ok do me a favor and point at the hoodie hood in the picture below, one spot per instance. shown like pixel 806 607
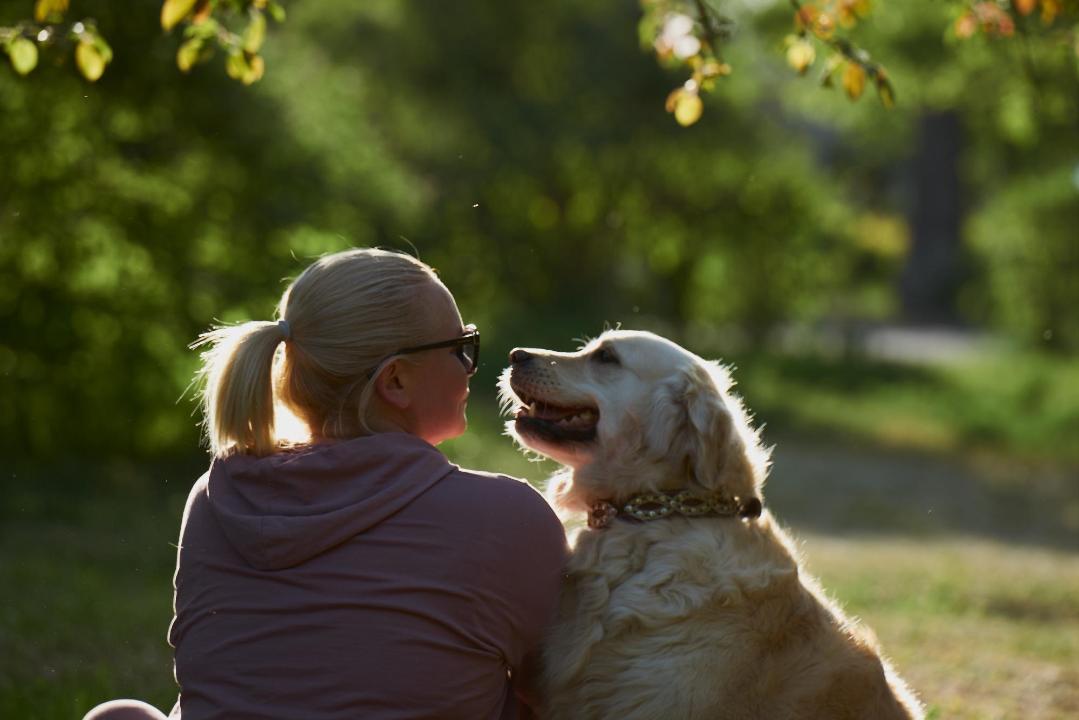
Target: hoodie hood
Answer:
pixel 281 510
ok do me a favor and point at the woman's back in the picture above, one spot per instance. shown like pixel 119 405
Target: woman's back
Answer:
pixel 368 578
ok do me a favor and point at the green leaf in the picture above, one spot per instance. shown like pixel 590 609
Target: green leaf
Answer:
pixel 173 11
pixel 204 30
pixel 236 65
pixel 255 33
pixel 885 91
pixel 103 48
pixel 91 63
pixel 834 63
pixel 188 54
pixel 23 54
pixel 256 66
pixel 50 10
pixel 277 12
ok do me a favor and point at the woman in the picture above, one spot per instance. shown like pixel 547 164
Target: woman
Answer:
pixel 361 574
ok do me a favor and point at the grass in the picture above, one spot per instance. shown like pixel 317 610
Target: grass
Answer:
pixel 983 627
pixel 1016 405
pixel 982 630
pixel 88 604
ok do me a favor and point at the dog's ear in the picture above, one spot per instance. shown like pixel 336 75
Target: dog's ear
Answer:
pixel 723 451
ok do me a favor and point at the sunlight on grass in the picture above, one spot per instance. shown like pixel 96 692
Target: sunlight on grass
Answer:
pixel 1015 404
pixel 981 630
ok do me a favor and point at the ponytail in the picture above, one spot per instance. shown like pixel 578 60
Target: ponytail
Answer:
pixel 237 387
pixel 345 314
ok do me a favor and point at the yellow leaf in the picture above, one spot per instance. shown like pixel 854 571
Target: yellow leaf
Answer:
pixel 672 99
pixel 688 108
pixel 255 68
pixel 188 54
pixel 1050 10
pixel 91 63
pixel 203 11
pixel 23 54
pixel 173 11
pixel 800 55
pixel 1025 7
pixel 885 90
pixel 848 11
pixel 47 10
pixel 824 26
pixel 255 33
pixel 236 66
pixel 854 80
pixel 806 17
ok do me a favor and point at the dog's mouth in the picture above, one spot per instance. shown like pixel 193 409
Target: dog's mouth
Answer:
pixel 555 423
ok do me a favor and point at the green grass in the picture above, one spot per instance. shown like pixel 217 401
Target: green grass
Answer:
pixel 87 605
pixel 980 629
pixel 1016 405
pixel 983 629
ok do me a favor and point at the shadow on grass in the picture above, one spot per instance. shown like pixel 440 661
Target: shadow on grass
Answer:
pixel 840 488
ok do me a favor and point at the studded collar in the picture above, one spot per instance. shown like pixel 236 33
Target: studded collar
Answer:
pixel 655 505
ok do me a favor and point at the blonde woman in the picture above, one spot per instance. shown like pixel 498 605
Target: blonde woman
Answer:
pixel 361 574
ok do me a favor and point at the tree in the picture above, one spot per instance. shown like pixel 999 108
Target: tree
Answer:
pixel 687 33
pixel 523 149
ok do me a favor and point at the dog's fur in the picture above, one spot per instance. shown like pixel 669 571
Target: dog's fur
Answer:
pixel 682 618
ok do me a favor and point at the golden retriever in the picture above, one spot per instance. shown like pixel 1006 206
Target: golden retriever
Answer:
pixel 683 598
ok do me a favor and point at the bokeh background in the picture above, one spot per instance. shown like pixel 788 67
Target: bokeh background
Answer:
pixel 897 291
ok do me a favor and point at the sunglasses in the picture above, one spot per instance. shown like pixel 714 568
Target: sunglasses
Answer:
pixel 466 348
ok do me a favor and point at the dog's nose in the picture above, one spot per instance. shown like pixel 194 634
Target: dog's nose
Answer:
pixel 519 356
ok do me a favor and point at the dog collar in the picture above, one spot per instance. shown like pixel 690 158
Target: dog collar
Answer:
pixel 656 505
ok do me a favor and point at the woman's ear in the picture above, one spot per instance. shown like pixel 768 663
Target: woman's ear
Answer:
pixel 391 386
pixel 723 452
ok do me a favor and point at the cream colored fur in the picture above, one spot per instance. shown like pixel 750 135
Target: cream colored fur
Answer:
pixel 685 618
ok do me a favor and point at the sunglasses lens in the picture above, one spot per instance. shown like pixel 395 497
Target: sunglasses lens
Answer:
pixel 469 354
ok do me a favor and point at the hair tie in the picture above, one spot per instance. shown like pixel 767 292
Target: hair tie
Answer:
pixel 286 331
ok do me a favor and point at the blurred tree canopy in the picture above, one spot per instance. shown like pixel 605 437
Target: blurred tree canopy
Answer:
pixel 524 150
pixel 682 32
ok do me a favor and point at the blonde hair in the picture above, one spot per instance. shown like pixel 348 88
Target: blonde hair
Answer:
pixel 342 317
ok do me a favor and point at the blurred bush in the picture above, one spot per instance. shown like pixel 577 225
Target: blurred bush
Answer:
pixel 524 151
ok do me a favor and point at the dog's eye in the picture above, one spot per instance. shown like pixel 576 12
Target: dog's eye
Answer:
pixel 603 355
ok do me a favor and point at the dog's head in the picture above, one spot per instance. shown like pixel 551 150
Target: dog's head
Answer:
pixel 632 412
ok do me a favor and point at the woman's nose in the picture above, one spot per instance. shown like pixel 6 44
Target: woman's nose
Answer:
pixel 519 356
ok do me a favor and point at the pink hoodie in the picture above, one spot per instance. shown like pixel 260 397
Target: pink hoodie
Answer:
pixel 367 579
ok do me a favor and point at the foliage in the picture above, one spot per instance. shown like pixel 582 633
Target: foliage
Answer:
pixel 206 24
pixel 682 32
pixel 690 32
pixel 135 211
pixel 92 52
pixel 970 406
